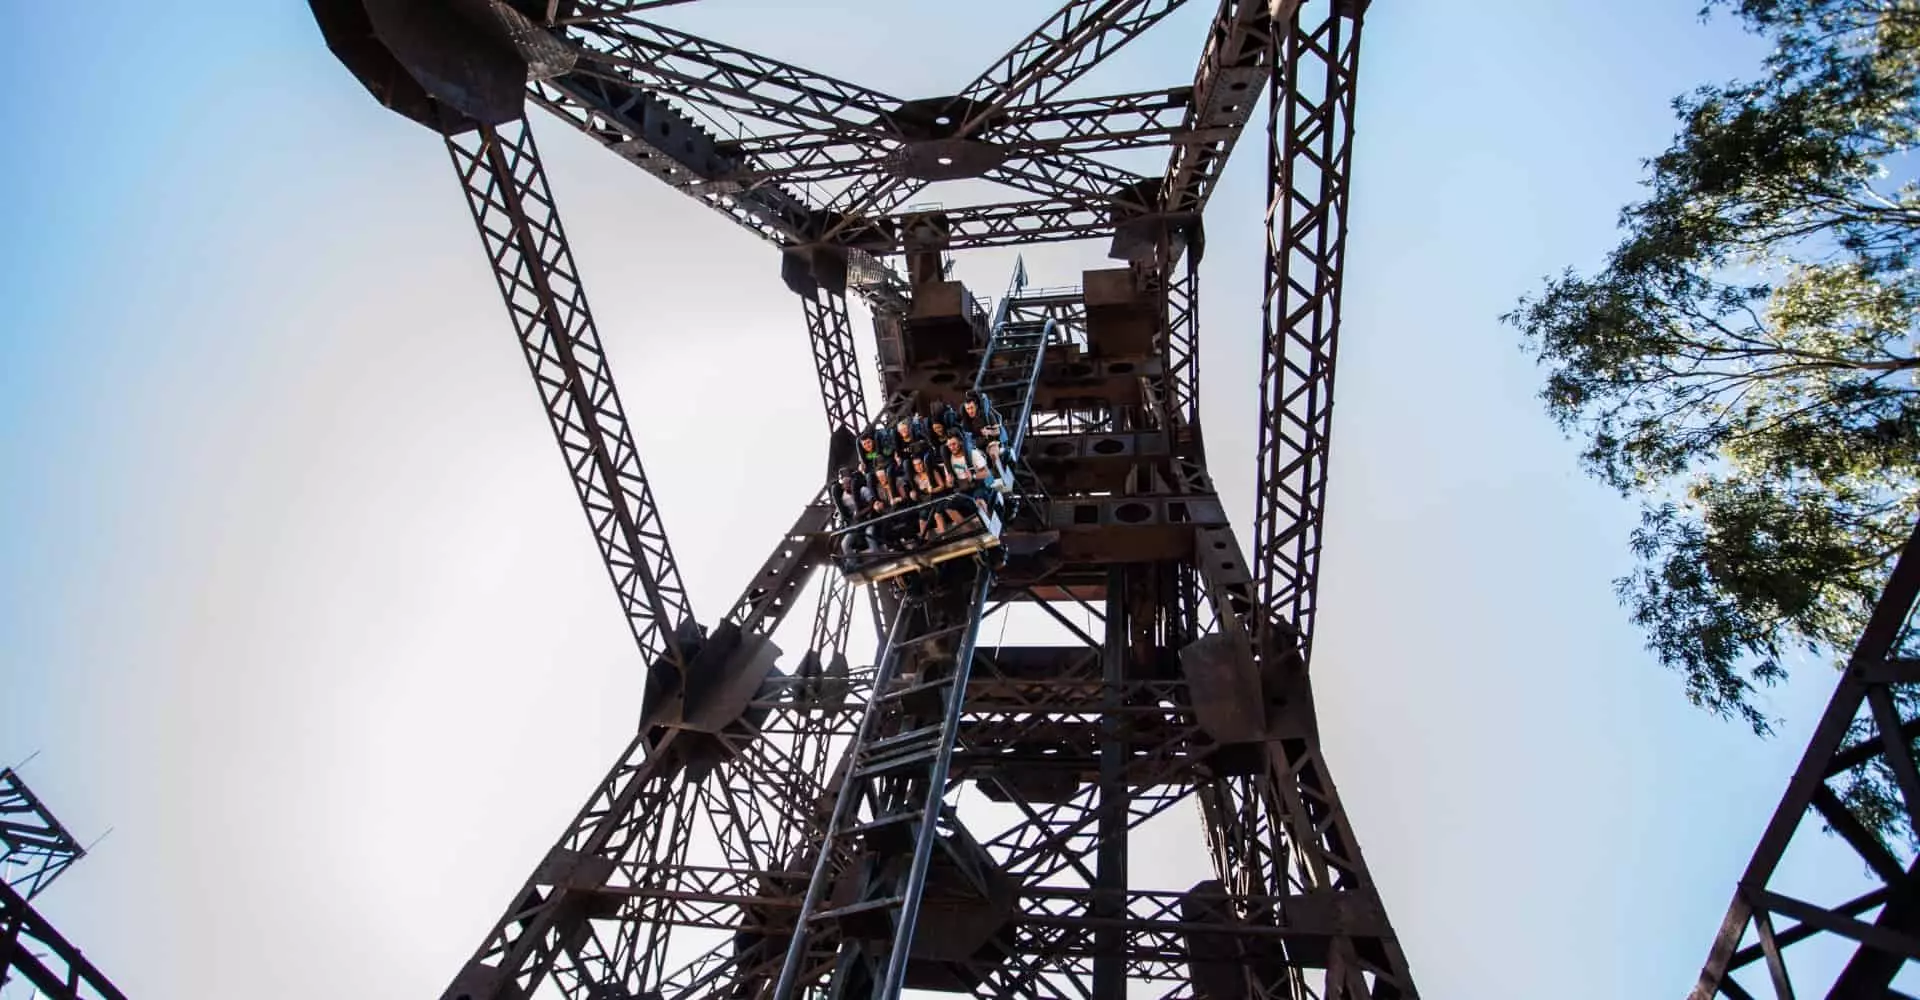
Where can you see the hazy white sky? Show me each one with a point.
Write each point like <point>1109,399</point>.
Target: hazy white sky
<point>297,598</point>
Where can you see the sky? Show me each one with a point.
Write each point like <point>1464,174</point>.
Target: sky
<point>296,600</point>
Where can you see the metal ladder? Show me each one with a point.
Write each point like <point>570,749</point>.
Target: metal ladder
<point>894,775</point>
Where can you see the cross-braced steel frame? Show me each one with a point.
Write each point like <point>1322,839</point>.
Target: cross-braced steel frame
<point>1861,731</point>
<point>34,850</point>
<point>693,853</point>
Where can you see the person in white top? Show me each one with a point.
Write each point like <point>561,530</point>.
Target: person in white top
<point>970,474</point>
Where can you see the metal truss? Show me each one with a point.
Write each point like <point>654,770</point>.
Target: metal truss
<point>802,158</point>
<point>1038,708</point>
<point>733,85</point>
<point>513,207</point>
<point>1070,43</point>
<point>1309,153</point>
<point>836,364</point>
<point>1311,98</point>
<point>33,950</point>
<point>1259,826</point>
<point>832,616</point>
<point>598,913</point>
<point>1082,125</point>
<point>34,847</point>
<point>1175,401</point>
<point>1237,59</point>
<point>1183,343</point>
<point>693,858</point>
<point>1868,729</point>
<point>1285,834</point>
<point>646,808</point>
<point>1015,223</point>
<point>765,601</point>
<point>835,360</point>
<point>34,850</point>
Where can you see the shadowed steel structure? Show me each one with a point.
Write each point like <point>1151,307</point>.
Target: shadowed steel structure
<point>956,816</point>
<point>1860,731</point>
<point>34,847</point>
<point>37,849</point>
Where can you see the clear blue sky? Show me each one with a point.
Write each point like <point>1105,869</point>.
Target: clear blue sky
<point>294,596</point>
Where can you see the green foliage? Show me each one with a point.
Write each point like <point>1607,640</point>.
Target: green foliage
<point>1746,362</point>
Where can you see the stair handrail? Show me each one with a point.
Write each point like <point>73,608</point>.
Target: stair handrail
<point>1011,452</point>
<point>1015,286</point>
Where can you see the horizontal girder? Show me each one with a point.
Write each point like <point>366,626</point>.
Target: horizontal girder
<point>800,157</point>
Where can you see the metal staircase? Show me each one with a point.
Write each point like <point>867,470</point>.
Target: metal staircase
<point>890,818</point>
<point>890,822</point>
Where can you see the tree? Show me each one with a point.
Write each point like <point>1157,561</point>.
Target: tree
<point>1745,361</point>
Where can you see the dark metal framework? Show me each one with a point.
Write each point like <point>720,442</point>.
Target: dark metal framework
<point>1179,671</point>
<point>1860,731</point>
<point>1309,153</point>
<point>802,158</point>
<point>37,849</point>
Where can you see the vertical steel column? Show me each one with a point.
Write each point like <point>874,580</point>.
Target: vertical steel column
<point>1109,909</point>
<point>836,361</point>
<point>1181,284</point>
<point>1309,155</point>
<point>833,615</point>
<point>836,366</point>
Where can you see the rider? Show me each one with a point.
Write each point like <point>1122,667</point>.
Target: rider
<point>930,481</point>
<point>983,425</point>
<point>870,450</point>
<point>971,478</point>
<point>846,497</point>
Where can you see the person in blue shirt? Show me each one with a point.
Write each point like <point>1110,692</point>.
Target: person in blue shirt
<point>983,426</point>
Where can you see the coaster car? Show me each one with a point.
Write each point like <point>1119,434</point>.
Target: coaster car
<point>873,565</point>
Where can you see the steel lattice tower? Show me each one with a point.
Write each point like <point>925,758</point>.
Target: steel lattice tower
<point>35,849</point>
<point>1867,724</point>
<point>788,826</point>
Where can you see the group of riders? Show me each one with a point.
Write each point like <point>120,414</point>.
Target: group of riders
<point>924,480</point>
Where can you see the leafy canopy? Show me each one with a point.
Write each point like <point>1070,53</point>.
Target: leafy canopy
<point>1745,361</point>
